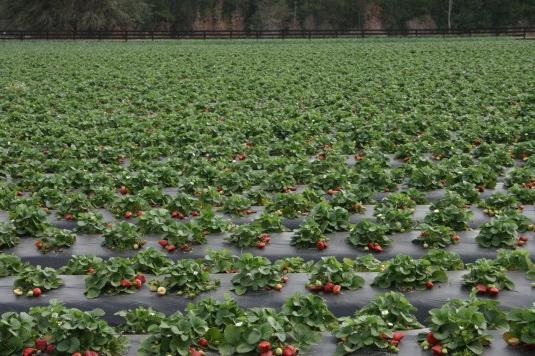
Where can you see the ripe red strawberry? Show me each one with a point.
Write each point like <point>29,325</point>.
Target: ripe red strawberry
<point>194,352</point>
<point>321,244</point>
<point>314,288</point>
<point>41,344</point>
<point>523,238</point>
<point>268,353</point>
<point>125,283</point>
<point>377,248</point>
<point>437,349</point>
<point>260,244</point>
<point>431,338</point>
<point>397,335</point>
<point>328,287</point>
<point>163,243</point>
<point>28,351</point>
<point>520,243</point>
<point>185,248</point>
<point>481,288</point>
<point>394,342</point>
<point>202,342</point>
<point>76,354</point>
<point>141,277</point>
<point>38,244</point>
<point>68,217</point>
<point>266,238</point>
<point>50,348</point>
<point>455,238</point>
<point>277,287</point>
<point>264,346</point>
<point>37,292</point>
<point>90,270</point>
<point>128,215</point>
<point>91,353</point>
<point>480,188</point>
<point>195,213</point>
<point>174,214</point>
<point>289,350</point>
<point>429,284</point>
<point>123,190</point>
<point>170,248</point>
<point>140,213</point>
<point>337,289</point>
<point>137,283</point>
<point>493,291</point>
<point>19,193</point>
<point>284,279</point>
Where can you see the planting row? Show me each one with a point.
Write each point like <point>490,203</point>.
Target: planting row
<point>302,324</point>
<point>254,280</point>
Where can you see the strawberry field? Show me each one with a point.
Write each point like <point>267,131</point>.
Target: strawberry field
<point>267,198</point>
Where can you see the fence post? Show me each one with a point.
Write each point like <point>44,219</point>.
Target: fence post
<point>126,36</point>
<point>204,35</point>
<point>309,35</point>
<point>230,34</point>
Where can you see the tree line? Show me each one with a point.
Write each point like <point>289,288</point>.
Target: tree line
<point>176,15</point>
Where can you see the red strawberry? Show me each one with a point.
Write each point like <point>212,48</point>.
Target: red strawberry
<point>314,288</point>
<point>520,243</point>
<point>266,238</point>
<point>202,342</point>
<point>493,291</point>
<point>429,284</point>
<point>140,213</point>
<point>38,244</point>
<point>19,193</point>
<point>321,244</point>
<point>264,346</point>
<point>41,344</point>
<point>337,289</point>
<point>437,349</point>
<point>260,244</point>
<point>68,217</point>
<point>90,270</point>
<point>76,354</point>
<point>481,288</point>
<point>289,350</point>
<point>28,351</point>
<point>128,215</point>
<point>170,248</point>
<point>37,292</point>
<point>277,287</point>
<point>50,348</point>
<point>91,353</point>
<point>328,287</point>
<point>284,279</point>
<point>123,190</point>
<point>141,277</point>
<point>185,248</point>
<point>455,238</point>
<point>394,342</point>
<point>431,339</point>
<point>163,243</point>
<point>125,283</point>
<point>193,352</point>
<point>137,283</point>
<point>268,353</point>
<point>174,214</point>
<point>523,238</point>
<point>195,213</point>
<point>377,248</point>
<point>397,335</point>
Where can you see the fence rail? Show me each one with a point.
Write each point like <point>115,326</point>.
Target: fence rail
<point>263,34</point>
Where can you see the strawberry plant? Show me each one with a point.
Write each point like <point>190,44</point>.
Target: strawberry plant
<point>289,205</point>
<point>450,211</point>
<point>494,315</point>
<point>369,235</point>
<point>174,335</point>
<point>16,332</point>
<point>352,199</point>
<point>394,309</point>
<point>8,236</point>
<point>211,223</point>
<point>10,265</point>
<point>183,236</point>
<point>150,261</point>
<point>216,313</point>
<point>91,222</point>
<point>521,327</point>
<point>500,232</point>
<point>54,239</point>
<point>466,190</point>
<point>32,281</point>
<point>269,222</point>
<point>293,265</point>
<point>368,263</point>
<point>255,273</point>
<point>184,204</point>
<point>71,330</point>
<point>499,202</point>
<point>220,261</point>
<point>436,236</point>
<point>485,276</point>
<point>129,205</point>
<point>139,320</point>
<point>237,205</point>
<point>331,276</point>
<point>114,276</point>
<point>28,220</point>
<point>123,236</point>
<point>154,221</point>
<point>185,277</point>
<point>364,332</point>
<point>73,204</point>
<point>309,235</point>
<point>514,260</point>
<point>248,235</point>
<point>405,273</point>
<point>309,310</point>
<point>397,220</point>
<point>80,265</point>
<point>446,260</point>
<point>456,329</point>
